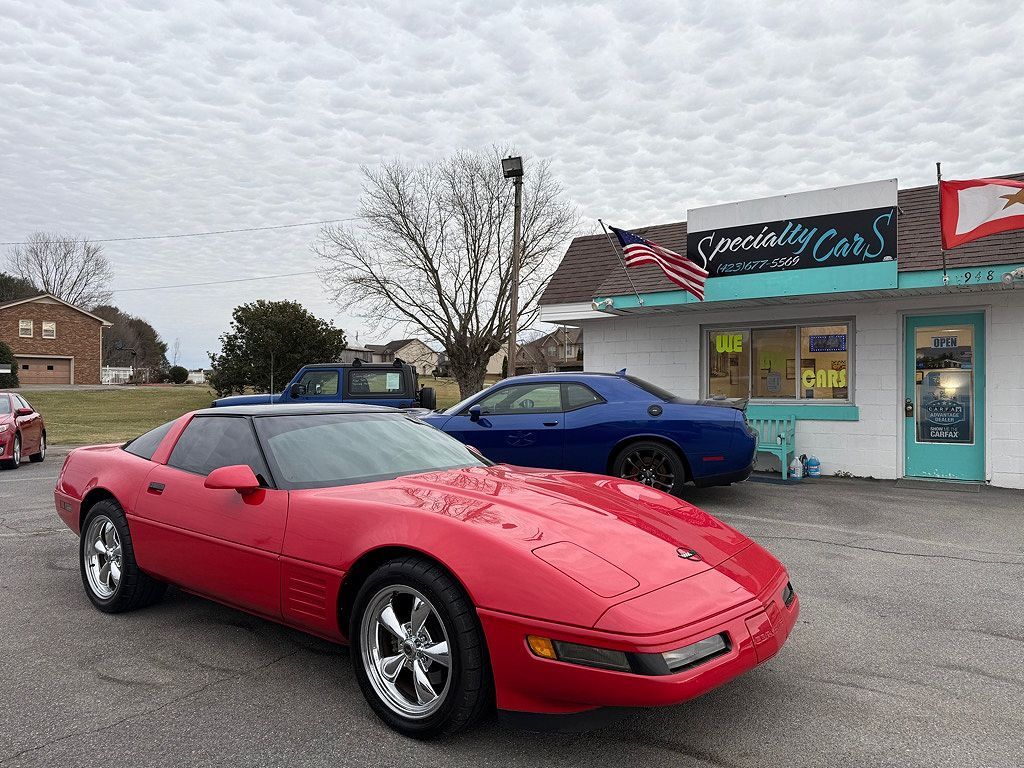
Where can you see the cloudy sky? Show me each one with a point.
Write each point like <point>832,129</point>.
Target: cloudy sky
<point>166,117</point>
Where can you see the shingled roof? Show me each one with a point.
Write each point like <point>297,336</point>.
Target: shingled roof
<point>590,268</point>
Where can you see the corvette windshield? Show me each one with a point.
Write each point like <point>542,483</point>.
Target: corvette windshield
<point>323,450</point>
<point>5,404</point>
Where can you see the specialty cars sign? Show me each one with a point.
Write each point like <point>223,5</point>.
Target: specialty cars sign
<point>839,227</point>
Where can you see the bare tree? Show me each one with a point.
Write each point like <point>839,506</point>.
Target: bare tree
<point>434,253</point>
<point>72,269</point>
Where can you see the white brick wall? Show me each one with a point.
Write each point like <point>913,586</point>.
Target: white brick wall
<point>664,348</point>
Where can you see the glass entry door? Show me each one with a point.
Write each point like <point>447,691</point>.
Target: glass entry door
<point>944,407</point>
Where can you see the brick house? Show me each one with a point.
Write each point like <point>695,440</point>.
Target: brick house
<point>53,341</point>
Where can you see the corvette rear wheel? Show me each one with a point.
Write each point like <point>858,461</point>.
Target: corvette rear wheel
<point>418,650</point>
<point>652,464</point>
<point>111,577</point>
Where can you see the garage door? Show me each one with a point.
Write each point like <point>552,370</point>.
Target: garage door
<point>44,370</point>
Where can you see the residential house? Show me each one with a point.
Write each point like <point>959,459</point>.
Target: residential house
<point>412,351</point>
<point>560,350</point>
<point>53,341</point>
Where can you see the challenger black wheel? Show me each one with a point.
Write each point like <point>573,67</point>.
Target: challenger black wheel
<point>418,650</point>
<point>110,575</point>
<point>653,464</point>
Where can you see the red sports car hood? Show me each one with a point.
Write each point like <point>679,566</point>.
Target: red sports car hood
<point>610,535</point>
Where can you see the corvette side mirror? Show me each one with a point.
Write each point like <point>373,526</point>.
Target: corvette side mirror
<point>23,411</point>
<point>237,477</point>
<point>474,413</point>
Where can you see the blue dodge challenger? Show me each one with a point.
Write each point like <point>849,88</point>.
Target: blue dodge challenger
<point>611,424</point>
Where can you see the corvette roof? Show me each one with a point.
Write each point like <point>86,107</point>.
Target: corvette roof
<point>294,409</point>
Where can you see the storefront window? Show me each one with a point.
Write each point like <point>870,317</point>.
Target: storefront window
<point>774,352</point>
<point>729,364</point>
<point>806,362</point>
<point>823,361</point>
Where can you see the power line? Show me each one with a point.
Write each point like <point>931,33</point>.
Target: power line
<point>212,282</point>
<point>204,234</point>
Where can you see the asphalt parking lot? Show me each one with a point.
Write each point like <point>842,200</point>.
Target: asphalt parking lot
<point>909,652</point>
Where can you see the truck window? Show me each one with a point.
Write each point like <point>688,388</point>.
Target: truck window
<point>320,383</point>
<point>374,382</point>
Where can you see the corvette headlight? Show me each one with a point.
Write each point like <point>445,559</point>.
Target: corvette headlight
<point>3,428</point>
<point>688,655</point>
<point>572,653</point>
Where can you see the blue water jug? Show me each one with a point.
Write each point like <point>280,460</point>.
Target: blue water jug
<point>813,468</point>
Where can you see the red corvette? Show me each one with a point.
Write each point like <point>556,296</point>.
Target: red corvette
<point>457,583</point>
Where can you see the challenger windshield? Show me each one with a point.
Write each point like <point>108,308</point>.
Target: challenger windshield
<point>324,450</point>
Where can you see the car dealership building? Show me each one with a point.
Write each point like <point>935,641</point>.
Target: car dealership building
<point>837,307</point>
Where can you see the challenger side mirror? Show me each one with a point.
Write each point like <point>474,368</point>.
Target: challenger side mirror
<point>298,390</point>
<point>237,477</point>
<point>474,413</point>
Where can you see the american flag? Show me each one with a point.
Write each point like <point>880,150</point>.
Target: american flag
<point>679,269</point>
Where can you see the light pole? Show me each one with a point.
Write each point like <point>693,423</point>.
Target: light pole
<point>512,167</point>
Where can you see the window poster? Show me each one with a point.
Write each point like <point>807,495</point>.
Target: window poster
<point>945,386</point>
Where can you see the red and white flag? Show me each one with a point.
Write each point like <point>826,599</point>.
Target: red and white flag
<point>979,207</point>
<point>679,269</point>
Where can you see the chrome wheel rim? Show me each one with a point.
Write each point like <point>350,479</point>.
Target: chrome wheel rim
<point>102,557</point>
<point>405,652</point>
<point>650,466</point>
<point>16,452</point>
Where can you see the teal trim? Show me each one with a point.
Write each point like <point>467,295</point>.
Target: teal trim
<point>932,278</point>
<point>950,461</point>
<point>805,412</point>
<point>795,282</point>
<point>826,280</point>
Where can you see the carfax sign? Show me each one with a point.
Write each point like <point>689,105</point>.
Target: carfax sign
<point>783,243</point>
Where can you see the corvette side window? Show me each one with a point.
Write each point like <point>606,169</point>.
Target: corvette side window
<point>524,398</point>
<point>144,446</point>
<point>209,442</point>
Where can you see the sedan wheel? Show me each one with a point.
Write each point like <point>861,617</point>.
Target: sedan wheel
<point>41,454</point>
<point>15,460</point>
<point>418,650</point>
<point>652,464</point>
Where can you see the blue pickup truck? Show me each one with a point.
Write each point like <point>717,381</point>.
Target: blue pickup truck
<point>395,385</point>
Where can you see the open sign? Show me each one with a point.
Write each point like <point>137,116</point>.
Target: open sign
<point>944,342</point>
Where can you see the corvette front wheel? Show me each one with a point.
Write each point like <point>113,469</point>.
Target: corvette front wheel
<point>418,650</point>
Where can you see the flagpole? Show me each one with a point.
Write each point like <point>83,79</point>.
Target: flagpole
<point>622,261</point>
<point>938,192</point>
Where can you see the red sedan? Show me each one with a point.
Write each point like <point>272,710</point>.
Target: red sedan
<point>22,431</point>
<point>458,584</point>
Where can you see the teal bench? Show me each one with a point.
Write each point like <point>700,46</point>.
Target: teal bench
<point>776,435</point>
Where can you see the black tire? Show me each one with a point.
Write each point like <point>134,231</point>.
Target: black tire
<point>469,691</point>
<point>41,454</point>
<point>651,463</point>
<point>14,461</point>
<point>428,398</point>
<point>134,589</point>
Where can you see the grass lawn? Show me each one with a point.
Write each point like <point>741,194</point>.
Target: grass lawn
<point>447,390</point>
<point>113,415</point>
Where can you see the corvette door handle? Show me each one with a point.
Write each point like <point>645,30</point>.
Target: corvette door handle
<point>550,423</point>
<point>156,488</point>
